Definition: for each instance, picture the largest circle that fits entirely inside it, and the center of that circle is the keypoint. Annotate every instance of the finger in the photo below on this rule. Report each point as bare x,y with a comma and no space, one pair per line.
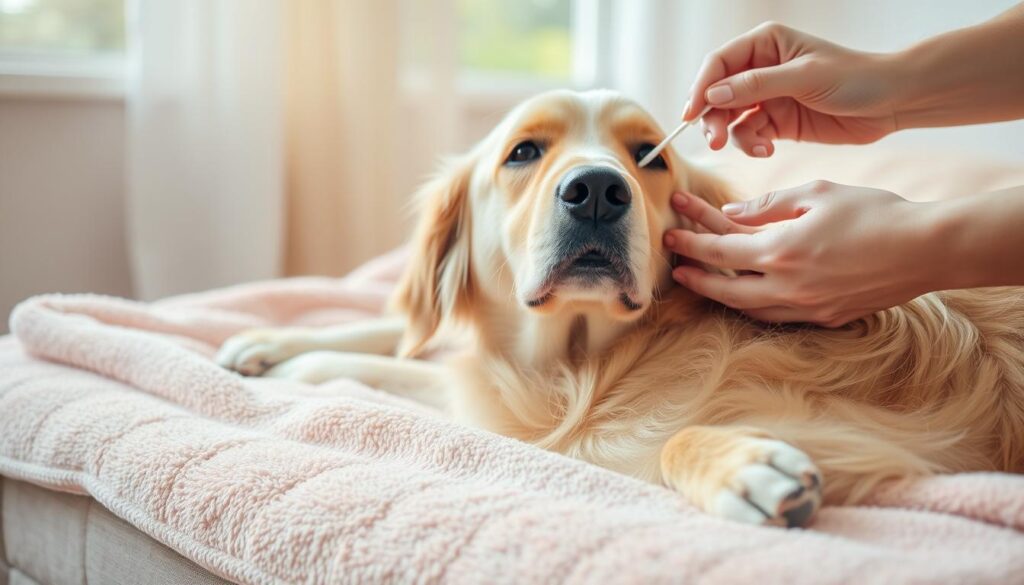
754,86
775,205
741,292
736,251
754,134
716,127
706,215
760,45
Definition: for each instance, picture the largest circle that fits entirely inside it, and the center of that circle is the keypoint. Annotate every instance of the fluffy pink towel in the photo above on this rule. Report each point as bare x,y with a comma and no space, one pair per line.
266,481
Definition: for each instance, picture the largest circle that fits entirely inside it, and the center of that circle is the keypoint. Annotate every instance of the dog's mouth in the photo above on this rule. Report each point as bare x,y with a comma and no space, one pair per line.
591,261
589,268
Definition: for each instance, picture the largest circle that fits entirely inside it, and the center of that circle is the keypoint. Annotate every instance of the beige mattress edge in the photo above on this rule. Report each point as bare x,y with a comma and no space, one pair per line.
51,538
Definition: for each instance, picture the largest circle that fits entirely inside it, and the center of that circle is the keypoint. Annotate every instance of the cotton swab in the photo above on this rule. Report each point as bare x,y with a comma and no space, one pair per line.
661,146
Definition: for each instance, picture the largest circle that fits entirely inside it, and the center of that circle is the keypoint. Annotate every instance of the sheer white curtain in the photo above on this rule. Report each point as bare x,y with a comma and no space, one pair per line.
272,137
205,126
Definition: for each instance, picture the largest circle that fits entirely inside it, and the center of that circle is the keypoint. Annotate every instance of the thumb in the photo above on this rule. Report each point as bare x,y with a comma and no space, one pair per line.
772,207
757,85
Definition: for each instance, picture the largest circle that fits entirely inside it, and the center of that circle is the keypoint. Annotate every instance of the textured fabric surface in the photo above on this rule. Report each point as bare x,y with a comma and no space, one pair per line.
264,481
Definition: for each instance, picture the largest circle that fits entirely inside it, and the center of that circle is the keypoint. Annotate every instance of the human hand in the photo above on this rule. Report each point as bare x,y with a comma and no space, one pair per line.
824,253
775,82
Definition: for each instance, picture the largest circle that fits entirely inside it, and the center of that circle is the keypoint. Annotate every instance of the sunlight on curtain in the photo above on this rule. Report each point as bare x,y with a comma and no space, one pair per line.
369,101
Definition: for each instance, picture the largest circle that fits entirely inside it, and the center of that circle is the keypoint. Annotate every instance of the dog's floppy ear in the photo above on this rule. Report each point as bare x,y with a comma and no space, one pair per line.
706,185
437,286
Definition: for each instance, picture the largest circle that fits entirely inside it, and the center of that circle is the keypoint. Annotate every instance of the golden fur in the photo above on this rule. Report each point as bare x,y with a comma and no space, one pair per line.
687,391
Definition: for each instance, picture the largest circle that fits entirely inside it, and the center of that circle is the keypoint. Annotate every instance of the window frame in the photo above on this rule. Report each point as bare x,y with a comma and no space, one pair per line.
44,74
88,76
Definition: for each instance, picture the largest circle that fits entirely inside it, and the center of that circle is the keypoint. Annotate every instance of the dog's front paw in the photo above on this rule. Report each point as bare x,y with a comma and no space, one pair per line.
741,474
253,352
778,486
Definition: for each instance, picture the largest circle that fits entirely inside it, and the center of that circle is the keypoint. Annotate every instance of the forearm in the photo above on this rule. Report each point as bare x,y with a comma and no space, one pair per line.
967,76
979,240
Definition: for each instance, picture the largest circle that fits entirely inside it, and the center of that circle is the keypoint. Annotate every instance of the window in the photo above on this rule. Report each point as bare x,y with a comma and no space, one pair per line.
500,51
61,27
527,38
62,47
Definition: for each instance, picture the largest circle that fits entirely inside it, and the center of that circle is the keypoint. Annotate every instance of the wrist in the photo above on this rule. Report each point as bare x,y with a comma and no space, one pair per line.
895,74
917,93
966,76
945,233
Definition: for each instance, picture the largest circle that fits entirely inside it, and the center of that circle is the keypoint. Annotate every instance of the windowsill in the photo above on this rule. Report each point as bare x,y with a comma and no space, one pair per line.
104,78
68,78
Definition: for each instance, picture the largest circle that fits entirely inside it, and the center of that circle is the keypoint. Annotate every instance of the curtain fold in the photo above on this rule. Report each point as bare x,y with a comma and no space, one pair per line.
205,119
341,109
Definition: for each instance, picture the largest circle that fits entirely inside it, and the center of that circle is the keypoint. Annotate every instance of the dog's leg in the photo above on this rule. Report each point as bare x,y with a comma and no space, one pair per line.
416,379
743,474
768,472
255,351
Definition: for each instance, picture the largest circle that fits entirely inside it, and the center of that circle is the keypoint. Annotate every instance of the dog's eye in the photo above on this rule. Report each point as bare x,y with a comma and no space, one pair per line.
524,152
645,149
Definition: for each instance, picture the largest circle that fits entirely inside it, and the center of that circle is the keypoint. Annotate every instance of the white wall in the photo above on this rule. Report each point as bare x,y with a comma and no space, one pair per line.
61,199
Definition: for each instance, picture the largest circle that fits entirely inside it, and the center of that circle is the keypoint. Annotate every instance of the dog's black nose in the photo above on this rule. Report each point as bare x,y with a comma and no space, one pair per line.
595,194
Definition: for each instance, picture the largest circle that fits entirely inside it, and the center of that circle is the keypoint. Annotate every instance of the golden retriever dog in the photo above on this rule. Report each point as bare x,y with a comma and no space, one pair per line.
544,245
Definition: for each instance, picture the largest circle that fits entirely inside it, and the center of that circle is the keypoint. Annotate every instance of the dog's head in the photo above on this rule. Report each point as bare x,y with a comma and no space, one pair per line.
549,215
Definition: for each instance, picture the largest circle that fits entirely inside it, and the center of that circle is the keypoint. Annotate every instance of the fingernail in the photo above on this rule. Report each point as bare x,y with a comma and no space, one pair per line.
686,109
733,208
679,200
707,136
679,275
760,151
670,240
720,94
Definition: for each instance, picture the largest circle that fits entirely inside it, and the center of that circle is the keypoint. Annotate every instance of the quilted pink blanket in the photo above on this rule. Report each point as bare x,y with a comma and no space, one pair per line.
267,481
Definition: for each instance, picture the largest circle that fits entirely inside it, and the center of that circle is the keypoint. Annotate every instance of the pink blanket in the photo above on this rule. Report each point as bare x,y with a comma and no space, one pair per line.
266,481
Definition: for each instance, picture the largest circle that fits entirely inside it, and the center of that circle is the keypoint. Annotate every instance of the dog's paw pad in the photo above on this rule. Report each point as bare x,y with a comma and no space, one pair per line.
781,488
801,512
